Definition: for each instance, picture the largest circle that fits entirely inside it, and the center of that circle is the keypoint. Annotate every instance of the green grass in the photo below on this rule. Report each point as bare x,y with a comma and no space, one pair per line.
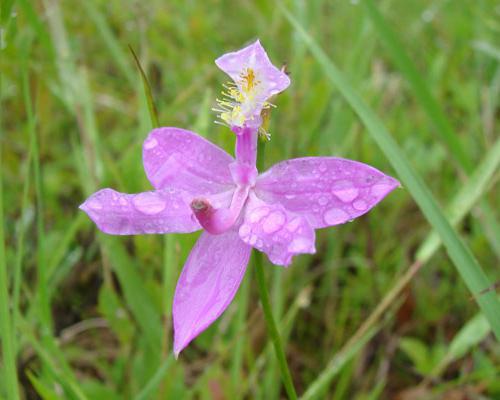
412,88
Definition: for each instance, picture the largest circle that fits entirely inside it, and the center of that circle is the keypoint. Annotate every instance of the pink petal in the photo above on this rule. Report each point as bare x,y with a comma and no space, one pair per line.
255,57
326,190
210,278
275,231
162,211
181,159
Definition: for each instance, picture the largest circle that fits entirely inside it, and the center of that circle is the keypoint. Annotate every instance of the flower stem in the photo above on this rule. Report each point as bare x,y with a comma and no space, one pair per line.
272,329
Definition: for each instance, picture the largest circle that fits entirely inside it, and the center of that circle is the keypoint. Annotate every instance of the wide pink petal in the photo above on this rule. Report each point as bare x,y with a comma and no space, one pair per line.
276,231
180,159
326,190
210,278
162,211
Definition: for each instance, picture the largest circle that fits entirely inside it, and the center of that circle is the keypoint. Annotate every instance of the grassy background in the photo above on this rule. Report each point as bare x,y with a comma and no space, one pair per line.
87,316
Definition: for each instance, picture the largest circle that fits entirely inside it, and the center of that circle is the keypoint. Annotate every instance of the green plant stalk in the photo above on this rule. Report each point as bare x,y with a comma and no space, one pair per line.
8,353
465,262
272,328
239,327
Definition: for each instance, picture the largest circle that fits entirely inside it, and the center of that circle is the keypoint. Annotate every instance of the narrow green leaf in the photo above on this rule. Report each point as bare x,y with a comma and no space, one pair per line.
155,380
464,200
437,116
6,331
317,388
153,114
466,264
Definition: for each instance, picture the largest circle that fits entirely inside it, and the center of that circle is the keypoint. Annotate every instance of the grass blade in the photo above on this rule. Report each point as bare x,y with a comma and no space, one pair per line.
443,127
465,199
153,113
8,353
465,262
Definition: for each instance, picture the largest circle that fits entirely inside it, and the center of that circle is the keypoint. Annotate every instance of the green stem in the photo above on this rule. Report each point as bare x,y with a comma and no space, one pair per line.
272,329
9,357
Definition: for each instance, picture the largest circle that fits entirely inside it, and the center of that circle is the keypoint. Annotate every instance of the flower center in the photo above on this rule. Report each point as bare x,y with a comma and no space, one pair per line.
241,101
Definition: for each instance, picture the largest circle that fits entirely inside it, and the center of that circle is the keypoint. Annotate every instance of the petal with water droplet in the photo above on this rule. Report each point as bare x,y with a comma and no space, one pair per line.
326,190
181,159
275,231
162,211
208,282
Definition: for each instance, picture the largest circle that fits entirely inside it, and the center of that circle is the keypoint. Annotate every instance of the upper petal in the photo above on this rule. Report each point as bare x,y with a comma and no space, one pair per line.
279,233
254,57
208,282
181,159
326,190
162,211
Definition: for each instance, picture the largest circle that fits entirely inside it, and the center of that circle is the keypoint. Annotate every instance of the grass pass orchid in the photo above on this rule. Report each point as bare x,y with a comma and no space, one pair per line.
197,185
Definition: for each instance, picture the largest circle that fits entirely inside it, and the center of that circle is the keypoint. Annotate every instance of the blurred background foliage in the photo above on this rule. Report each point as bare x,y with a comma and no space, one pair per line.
89,315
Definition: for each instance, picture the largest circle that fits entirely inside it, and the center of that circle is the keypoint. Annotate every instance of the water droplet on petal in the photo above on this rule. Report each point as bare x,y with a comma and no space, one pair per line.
274,222
252,240
380,189
346,195
335,216
150,144
323,201
298,245
94,204
360,205
245,230
293,224
149,203
322,167
257,214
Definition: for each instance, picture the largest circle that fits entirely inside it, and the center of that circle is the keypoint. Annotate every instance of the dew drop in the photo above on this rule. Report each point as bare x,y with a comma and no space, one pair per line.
274,222
323,201
360,205
150,144
298,245
257,214
94,204
380,190
335,216
149,203
346,195
252,240
245,230
293,225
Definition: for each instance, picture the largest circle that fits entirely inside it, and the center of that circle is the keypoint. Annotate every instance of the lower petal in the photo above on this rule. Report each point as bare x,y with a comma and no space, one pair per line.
162,211
276,231
210,279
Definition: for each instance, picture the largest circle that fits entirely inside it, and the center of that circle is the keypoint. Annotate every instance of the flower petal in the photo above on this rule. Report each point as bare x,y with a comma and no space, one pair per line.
162,211
254,57
210,278
326,190
181,159
277,232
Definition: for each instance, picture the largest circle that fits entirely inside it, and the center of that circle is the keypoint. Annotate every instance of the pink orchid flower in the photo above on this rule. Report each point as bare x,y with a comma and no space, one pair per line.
198,185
